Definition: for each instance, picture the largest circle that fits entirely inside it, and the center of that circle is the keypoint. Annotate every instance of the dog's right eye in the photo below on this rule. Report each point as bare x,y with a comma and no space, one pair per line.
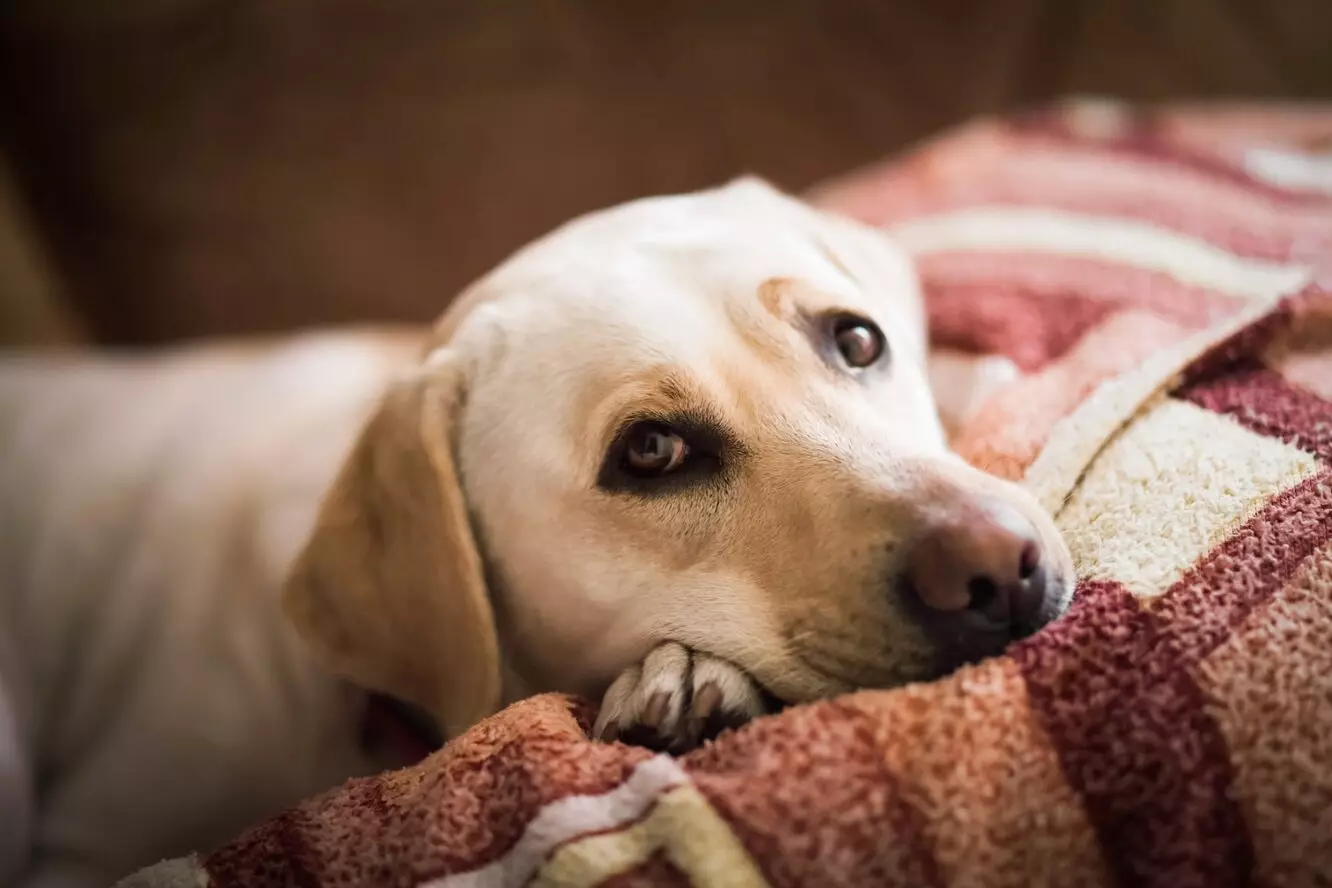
652,449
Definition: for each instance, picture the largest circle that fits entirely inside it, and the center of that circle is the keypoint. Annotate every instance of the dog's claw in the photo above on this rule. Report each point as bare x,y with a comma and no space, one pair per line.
706,701
676,699
655,711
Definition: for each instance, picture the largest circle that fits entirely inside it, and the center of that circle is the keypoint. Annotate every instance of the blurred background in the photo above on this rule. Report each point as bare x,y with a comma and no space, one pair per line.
174,169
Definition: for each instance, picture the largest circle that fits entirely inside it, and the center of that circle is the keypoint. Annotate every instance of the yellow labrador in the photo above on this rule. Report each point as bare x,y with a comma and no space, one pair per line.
686,449
681,454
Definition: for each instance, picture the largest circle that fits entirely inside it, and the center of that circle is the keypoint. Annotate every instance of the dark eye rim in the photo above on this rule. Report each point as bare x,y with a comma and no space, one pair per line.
837,322
710,448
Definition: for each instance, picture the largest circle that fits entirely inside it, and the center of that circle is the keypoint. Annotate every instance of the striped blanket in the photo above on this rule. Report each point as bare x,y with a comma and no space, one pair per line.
1150,285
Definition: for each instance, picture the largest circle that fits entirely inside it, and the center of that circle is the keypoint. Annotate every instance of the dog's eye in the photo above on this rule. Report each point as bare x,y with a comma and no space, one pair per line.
653,449
659,455
859,341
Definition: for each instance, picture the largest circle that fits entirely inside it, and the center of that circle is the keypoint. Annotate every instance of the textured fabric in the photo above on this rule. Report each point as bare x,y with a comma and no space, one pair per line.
1162,302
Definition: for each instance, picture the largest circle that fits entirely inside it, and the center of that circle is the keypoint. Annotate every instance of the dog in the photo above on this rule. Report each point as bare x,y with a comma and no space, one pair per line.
680,455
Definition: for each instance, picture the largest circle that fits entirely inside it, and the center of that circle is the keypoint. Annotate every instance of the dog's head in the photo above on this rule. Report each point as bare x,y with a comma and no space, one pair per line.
701,418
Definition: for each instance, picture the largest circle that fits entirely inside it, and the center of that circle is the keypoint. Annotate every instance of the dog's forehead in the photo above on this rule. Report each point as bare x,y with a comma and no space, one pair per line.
660,279
630,317
671,293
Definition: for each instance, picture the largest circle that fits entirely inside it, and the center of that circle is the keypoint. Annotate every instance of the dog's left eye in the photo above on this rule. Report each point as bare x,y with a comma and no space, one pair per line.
653,449
859,341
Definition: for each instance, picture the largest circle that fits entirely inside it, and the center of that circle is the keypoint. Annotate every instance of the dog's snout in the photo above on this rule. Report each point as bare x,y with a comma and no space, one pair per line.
987,560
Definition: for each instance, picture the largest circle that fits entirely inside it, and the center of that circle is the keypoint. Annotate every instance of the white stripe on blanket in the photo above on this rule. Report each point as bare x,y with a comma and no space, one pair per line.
569,818
1290,169
1135,244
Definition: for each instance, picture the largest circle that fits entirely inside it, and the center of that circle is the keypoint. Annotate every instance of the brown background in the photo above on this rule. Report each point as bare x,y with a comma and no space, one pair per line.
181,168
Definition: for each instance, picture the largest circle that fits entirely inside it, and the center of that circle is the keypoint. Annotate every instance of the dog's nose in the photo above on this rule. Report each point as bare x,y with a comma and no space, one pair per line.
987,560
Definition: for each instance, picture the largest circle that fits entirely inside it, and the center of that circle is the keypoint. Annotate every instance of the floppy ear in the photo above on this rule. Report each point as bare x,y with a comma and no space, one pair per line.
389,589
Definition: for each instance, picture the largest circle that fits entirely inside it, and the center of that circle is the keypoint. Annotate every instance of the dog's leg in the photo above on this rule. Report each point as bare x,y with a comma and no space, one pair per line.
676,699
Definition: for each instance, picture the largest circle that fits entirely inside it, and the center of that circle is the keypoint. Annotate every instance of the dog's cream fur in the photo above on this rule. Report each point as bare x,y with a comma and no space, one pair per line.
464,554
152,699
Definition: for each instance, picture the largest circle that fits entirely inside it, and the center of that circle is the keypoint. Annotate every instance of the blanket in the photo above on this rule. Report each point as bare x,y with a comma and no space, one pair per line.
1154,282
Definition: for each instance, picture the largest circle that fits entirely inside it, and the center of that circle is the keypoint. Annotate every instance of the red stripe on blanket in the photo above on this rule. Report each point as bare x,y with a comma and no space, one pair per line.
1261,400
277,853
297,847
1114,687
1242,574
1204,127
469,807
513,792
1055,276
990,166
1129,723
998,318
811,789
1250,340
1107,182
1033,308
1009,430
1142,139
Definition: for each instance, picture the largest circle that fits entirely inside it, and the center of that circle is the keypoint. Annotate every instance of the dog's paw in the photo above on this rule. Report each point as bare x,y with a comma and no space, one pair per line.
676,699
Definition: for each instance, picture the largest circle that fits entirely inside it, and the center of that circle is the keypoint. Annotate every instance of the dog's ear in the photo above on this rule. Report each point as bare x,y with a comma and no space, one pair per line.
389,589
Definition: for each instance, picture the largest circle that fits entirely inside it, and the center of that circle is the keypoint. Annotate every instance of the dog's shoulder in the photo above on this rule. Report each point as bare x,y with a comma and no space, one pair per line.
102,452
149,504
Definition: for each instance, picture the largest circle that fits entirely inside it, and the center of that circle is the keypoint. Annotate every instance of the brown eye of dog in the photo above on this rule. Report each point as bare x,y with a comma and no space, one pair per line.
653,449
859,341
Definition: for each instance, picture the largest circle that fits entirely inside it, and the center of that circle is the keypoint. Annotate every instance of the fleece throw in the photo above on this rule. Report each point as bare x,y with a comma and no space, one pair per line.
1154,285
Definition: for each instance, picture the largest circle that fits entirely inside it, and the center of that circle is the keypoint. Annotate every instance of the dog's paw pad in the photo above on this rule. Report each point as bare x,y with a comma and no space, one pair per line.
676,699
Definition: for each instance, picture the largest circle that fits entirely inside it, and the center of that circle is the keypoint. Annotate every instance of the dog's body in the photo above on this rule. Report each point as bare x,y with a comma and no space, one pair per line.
150,506
499,517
